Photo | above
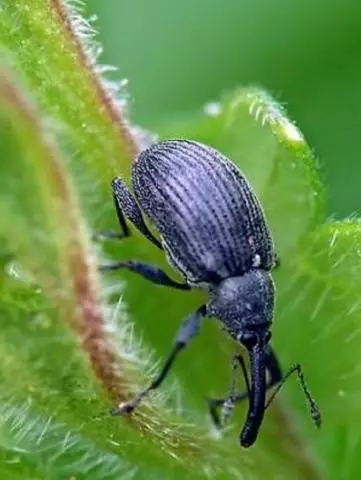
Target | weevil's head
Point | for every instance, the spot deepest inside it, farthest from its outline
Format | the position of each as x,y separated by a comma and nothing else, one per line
245,305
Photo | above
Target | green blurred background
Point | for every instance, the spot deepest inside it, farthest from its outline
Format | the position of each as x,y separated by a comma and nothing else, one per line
180,55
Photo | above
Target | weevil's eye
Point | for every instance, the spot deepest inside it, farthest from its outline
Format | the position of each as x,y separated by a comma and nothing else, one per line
249,340
267,337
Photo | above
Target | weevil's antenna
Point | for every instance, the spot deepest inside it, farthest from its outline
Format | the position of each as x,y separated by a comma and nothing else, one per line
257,396
312,405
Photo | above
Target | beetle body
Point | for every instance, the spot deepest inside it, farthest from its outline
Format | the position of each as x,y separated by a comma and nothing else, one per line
213,231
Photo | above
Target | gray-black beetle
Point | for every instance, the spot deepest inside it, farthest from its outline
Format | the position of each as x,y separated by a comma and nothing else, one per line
214,233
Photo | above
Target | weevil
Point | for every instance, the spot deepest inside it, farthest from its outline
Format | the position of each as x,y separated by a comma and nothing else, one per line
213,231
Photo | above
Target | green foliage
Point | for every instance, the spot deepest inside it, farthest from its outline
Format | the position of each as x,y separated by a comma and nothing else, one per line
68,345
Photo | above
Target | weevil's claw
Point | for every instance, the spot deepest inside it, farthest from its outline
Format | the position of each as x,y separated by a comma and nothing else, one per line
114,411
124,408
96,237
227,409
102,236
213,410
316,416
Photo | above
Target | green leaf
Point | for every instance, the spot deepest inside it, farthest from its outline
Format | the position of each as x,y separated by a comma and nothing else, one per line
42,228
67,345
34,446
318,325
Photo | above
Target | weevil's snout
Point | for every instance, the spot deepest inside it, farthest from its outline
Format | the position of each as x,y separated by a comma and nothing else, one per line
246,442
241,302
248,435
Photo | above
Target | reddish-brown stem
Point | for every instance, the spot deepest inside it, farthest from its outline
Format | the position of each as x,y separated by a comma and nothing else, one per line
105,100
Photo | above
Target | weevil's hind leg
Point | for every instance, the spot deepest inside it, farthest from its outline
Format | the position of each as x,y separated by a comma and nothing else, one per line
149,272
189,329
126,206
275,376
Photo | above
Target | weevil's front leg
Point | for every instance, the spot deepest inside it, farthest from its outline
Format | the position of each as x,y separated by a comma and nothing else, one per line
124,233
275,377
228,403
189,329
126,206
149,272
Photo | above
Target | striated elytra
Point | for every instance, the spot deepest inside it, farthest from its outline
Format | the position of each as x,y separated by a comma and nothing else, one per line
214,233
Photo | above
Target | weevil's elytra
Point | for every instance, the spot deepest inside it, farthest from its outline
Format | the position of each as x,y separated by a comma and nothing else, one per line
214,232
203,208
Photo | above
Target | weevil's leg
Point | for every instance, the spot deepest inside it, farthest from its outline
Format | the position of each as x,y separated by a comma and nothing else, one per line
149,272
124,233
275,376
312,405
189,329
126,206
228,403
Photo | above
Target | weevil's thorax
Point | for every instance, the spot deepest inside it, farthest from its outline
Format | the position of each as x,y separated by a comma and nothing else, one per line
243,303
